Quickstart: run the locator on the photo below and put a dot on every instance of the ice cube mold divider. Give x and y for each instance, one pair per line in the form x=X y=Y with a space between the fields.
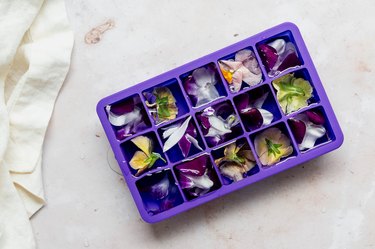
x=251 y=42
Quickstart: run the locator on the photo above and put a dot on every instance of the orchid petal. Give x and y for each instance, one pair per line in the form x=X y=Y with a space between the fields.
x=315 y=117
x=194 y=141
x=217 y=127
x=122 y=107
x=248 y=59
x=313 y=133
x=267 y=116
x=254 y=118
x=160 y=190
x=184 y=145
x=120 y=120
x=176 y=136
x=278 y=45
x=290 y=61
x=168 y=132
x=190 y=87
x=195 y=167
x=258 y=103
x=298 y=128
x=243 y=102
x=204 y=76
x=269 y=56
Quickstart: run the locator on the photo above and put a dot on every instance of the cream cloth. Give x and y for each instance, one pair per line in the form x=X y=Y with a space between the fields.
x=35 y=49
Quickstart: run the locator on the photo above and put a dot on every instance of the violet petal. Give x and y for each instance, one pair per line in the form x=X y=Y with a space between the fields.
x=298 y=128
x=184 y=145
x=195 y=167
x=290 y=61
x=253 y=117
x=160 y=190
x=315 y=117
x=269 y=55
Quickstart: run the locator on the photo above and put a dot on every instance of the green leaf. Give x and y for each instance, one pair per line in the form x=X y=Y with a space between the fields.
x=273 y=148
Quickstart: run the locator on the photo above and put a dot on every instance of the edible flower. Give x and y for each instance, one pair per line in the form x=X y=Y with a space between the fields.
x=161 y=104
x=237 y=161
x=292 y=93
x=193 y=176
x=307 y=128
x=278 y=56
x=159 y=193
x=200 y=85
x=144 y=158
x=217 y=124
x=127 y=117
x=251 y=111
x=244 y=68
x=271 y=145
x=184 y=134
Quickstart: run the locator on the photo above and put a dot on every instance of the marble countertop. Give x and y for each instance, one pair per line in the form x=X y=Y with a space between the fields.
x=328 y=202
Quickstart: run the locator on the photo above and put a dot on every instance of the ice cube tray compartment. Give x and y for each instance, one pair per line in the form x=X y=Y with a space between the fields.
x=182 y=199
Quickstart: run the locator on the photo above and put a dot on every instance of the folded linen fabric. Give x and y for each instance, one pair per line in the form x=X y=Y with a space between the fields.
x=35 y=52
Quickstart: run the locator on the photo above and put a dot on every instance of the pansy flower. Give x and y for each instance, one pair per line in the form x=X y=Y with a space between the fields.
x=200 y=85
x=271 y=146
x=244 y=68
x=195 y=177
x=237 y=161
x=278 y=56
x=307 y=128
x=292 y=93
x=219 y=123
x=184 y=134
x=251 y=111
x=159 y=193
x=127 y=116
x=144 y=158
x=161 y=104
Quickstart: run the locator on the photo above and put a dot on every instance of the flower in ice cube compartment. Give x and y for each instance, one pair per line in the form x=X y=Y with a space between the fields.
x=237 y=161
x=278 y=56
x=271 y=145
x=184 y=134
x=218 y=123
x=194 y=176
x=144 y=158
x=251 y=111
x=162 y=104
x=292 y=93
x=161 y=194
x=244 y=68
x=307 y=128
x=200 y=85
x=127 y=116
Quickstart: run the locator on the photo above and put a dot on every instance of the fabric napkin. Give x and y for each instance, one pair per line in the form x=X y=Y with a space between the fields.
x=35 y=49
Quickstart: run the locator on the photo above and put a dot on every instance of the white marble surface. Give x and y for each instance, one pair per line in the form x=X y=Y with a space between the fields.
x=326 y=203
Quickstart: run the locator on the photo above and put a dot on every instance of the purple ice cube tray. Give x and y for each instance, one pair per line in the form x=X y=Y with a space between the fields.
x=123 y=149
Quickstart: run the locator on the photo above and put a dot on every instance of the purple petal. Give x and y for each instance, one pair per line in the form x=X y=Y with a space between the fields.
x=315 y=117
x=190 y=86
x=205 y=122
x=298 y=128
x=123 y=107
x=184 y=145
x=160 y=190
x=223 y=110
x=191 y=130
x=150 y=98
x=243 y=102
x=269 y=56
x=195 y=167
x=291 y=60
x=253 y=117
